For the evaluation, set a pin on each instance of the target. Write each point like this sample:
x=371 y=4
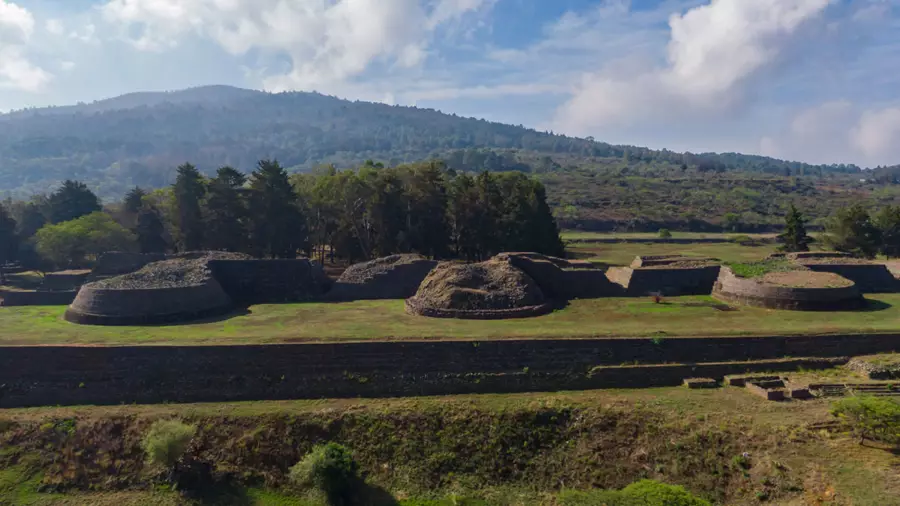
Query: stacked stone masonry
x=752 y=292
x=672 y=282
x=34 y=376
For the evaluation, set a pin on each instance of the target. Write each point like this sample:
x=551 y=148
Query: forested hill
x=139 y=139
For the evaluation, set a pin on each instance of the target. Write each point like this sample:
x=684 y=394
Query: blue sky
x=812 y=80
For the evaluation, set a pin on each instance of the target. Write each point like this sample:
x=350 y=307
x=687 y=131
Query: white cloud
x=327 y=43
x=54 y=27
x=877 y=135
x=713 y=51
x=839 y=132
x=16 y=70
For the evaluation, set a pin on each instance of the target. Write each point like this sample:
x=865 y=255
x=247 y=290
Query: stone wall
x=400 y=281
x=101 y=306
x=36 y=298
x=671 y=282
x=47 y=375
x=270 y=281
x=752 y=292
x=561 y=280
x=64 y=281
x=869 y=278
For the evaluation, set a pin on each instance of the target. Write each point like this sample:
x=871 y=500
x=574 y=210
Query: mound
x=488 y=290
x=392 y=277
x=799 y=290
x=175 y=290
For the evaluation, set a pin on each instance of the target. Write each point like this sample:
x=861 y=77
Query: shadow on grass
x=241 y=311
x=873 y=305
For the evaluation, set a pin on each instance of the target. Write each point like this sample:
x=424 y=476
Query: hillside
x=139 y=138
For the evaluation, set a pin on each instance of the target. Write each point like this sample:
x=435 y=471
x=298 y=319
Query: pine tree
x=150 y=231
x=794 y=237
x=8 y=241
x=72 y=200
x=277 y=227
x=226 y=212
x=189 y=191
x=888 y=222
x=134 y=200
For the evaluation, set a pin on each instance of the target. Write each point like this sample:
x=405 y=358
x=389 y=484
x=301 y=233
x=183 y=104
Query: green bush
x=872 y=418
x=744 y=240
x=642 y=493
x=166 y=442
x=329 y=468
x=665 y=233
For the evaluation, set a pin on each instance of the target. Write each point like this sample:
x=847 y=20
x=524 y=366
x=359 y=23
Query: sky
x=809 y=80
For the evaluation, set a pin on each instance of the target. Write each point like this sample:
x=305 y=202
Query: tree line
x=353 y=215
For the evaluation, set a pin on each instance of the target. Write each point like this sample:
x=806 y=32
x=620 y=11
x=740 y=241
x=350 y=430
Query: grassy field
x=368 y=320
x=608 y=433
x=574 y=235
x=623 y=253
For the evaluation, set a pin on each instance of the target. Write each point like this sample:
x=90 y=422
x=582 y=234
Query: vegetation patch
x=763 y=267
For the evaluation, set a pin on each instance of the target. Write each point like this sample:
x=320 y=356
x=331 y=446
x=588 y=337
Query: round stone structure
x=791 y=290
x=491 y=290
x=162 y=292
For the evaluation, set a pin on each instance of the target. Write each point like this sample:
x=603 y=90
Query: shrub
x=166 y=442
x=642 y=493
x=654 y=493
x=871 y=418
x=744 y=240
x=665 y=233
x=329 y=468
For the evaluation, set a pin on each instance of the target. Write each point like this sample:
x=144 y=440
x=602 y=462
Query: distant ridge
x=139 y=139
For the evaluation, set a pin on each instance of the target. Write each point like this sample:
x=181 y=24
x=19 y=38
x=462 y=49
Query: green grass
x=623 y=253
x=761 y=268
x=386 y=320
x=569 y=235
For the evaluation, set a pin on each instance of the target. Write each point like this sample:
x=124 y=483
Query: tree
x=74 y=243
x=188 y=191
x=226 y=211
x=276 y=225
x=871 y=418
x=851 y=230
x=72 y=200
x=9 y=244
x=30 y=221
x=794 y=237
x=134 y=200
x=150 y=231
x=888 y=222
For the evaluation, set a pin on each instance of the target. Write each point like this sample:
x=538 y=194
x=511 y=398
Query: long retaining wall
x=45 y=375
x=270 y=281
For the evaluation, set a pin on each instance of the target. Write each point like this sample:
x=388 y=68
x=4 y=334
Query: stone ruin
x=562 y=280
x=488 y=290
x=189 y=286
x=173 y=290
x=671 y=275
x=392 y=277
x=869 y=277
x=799 y=290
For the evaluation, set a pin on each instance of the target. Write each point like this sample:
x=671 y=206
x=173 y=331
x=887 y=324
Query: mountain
x=139 y=139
